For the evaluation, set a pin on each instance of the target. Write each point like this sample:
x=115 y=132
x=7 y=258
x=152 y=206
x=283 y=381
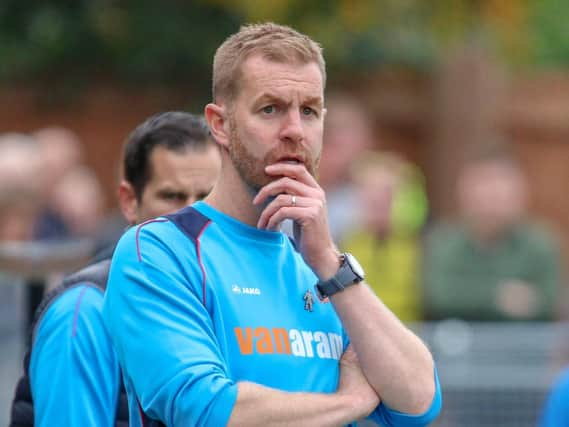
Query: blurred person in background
x=18 y=211
x=79 y=201
x=348 y=131
x=494 y=263
x=71 y=374
x=60 y=151
x=20 y=175
x=393 y=210
x=20 y=171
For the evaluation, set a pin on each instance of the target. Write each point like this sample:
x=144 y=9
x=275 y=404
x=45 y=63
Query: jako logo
x=248 y=291
x=294 y=342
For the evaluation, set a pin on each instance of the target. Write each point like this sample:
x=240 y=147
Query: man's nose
x=292 y=128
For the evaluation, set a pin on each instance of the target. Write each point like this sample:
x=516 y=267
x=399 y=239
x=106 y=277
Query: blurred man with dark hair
x=72 y=376
x=169 y=162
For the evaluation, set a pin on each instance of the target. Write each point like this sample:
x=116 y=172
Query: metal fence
x=494 y=374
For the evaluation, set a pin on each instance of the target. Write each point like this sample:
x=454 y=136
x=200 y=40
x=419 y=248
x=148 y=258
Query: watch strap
x=329 y=287
x=344 y=278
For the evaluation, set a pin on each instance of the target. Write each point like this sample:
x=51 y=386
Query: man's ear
x=218 y=121
x=128 y=202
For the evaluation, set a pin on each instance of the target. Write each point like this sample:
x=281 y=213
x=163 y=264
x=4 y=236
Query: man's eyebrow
x=314 y=100
x=270 y=97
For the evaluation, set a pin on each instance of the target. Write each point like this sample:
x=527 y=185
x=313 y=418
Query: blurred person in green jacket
x=493 y=263
x=393 y=210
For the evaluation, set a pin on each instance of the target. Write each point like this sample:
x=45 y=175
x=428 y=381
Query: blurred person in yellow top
x=393 y=209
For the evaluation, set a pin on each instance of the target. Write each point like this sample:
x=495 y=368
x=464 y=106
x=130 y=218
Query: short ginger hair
x=274 y=42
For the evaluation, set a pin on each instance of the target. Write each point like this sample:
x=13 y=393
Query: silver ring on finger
x=293 y=201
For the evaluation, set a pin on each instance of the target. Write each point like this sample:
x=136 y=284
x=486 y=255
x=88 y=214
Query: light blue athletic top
x=555 y=412
x=74 y=371
x=199 y=301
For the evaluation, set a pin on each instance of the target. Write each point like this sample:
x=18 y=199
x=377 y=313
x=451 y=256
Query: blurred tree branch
x=161 y=43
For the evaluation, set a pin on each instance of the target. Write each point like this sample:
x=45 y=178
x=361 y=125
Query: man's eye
x=307 y=111
x=269 y=109
x=173 y=196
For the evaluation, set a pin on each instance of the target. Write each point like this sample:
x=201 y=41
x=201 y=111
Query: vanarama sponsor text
x=295 y=342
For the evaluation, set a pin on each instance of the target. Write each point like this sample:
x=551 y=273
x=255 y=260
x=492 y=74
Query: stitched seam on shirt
x=200 y=261
x=77 y=305
x=138 y=234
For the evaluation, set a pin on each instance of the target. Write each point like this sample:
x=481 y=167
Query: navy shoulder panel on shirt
x=190 y=221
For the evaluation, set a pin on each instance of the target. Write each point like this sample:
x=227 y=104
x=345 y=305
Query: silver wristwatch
x=349 y=273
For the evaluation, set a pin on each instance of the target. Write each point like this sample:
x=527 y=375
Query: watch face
x=355 y=265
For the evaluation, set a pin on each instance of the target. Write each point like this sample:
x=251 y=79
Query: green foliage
x=548 y=30
x=137 y=41
x=173 y=41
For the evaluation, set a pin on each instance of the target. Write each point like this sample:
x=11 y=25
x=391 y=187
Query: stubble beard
x=251 y=170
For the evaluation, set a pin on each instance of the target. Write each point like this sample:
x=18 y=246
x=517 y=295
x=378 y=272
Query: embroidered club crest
x=308 y=301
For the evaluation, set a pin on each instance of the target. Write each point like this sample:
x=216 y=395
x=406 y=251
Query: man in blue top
x=214 y=312
x=170 y=161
